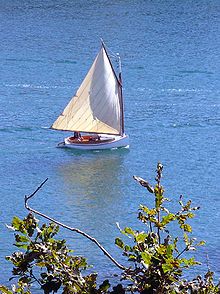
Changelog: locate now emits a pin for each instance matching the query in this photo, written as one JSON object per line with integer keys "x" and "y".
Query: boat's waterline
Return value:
{"x": 116, "y": 142}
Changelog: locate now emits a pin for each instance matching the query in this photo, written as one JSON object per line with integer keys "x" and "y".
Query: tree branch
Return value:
{"x": 27, "y": 197}
{"x": 185, "y": 249}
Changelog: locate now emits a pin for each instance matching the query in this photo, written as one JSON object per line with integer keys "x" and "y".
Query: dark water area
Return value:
{"x": 170, "y": 58}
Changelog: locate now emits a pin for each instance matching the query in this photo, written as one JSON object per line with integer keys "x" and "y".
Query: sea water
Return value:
{"x": 170, "y": 63}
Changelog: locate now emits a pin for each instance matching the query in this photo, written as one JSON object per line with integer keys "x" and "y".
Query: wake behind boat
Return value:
{"x": 96, "y": 113}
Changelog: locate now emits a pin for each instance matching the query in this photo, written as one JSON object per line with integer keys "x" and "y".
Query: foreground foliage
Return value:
{"x": 157, "y": 259}
{"x": 47, "y": 261}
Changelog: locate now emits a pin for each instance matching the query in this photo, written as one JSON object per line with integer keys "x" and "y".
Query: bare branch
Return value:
{"x": 27, "y": 197}
{"x": 144, "y": 183}
{"x": 38, "y": 188}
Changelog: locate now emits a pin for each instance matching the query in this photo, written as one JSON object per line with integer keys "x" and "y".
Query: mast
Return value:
{"x": 121, "y": 93}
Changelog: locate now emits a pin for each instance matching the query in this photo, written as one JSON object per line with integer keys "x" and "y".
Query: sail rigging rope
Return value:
{"x": 110, "y": 52}
{"x": 114, "y": 57}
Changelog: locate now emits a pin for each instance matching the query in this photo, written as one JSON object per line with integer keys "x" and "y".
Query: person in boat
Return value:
{"x": 77, "y": 135}
{"x": 94, "y": 138}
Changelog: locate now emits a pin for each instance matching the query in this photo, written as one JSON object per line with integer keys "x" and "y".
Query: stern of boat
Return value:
{"x": 61, "y": 145}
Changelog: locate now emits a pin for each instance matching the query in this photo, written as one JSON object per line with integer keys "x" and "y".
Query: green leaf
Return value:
{"x": 18, "y": 225}
{"x": 148, "y": 211}
{"x": 104, "y": 286}
{"x": 41, "y": 264}
{"x": 127, "y": 248}
{"x": 132, "y": 257}
{"x": 167, "y": 267}
{"x": 128, "y": 231}
{"x": 30, "y": 224}
{"x": 201, "y": 243}
{"x": 167, "y": 219}
{"x": 146, "y": 257}
{"x": 186, "y": 228}
{"x": 144, "y": 208}
{"x": 189, "y": 262}
{"x": 119, "y": 243}
{"x": 161, "y": 249}
{"x": 20, "y": 238}
{"x": 5, "y": 290}
{"x": 16, "y": 221}
{"x": 141, "y": 237}
{"x": 186, "y": 239}
{"x": 170, "y": 250}
{"x": 21, "y": 245}
{"x": 158, "y": 191}
{"x": 191, "y": 215}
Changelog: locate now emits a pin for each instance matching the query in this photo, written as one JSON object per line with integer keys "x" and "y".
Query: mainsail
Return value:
{"x": 97, "y": 106}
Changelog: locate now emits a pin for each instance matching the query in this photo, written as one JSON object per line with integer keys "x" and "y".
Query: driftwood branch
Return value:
{"x": 27, "y": 197}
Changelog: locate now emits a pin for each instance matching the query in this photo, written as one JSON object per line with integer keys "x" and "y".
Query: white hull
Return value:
{"x": 105, "y": 142}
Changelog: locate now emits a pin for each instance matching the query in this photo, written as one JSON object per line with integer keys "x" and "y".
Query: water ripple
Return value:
{"x": 37, "y": 86}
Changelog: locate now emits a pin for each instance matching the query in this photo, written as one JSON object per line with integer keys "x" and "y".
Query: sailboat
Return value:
{"x": 96, "y": 112}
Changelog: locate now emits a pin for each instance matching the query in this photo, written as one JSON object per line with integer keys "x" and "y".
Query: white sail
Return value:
{"x": 97, "y": 105}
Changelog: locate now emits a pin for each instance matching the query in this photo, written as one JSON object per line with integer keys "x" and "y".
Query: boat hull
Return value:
{"x": 105, "y": 142}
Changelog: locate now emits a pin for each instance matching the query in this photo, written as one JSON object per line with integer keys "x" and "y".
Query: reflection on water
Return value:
{"x": 92, "y": 200}
{"x": 93, "y": 187}
{"x": 92, "y": 173}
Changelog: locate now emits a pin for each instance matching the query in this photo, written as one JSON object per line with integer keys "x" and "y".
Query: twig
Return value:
{"x": 185, "y": 249}
{"x": 27, "y": 197}
{"x": 158, "y": 179}
{"x": 32, "y": 275}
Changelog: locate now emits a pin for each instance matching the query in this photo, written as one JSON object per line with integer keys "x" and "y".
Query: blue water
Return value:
{"x": 170, "y": 57}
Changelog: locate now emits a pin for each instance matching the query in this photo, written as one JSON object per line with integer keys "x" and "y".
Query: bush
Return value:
{"x": 157, "y": 264}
